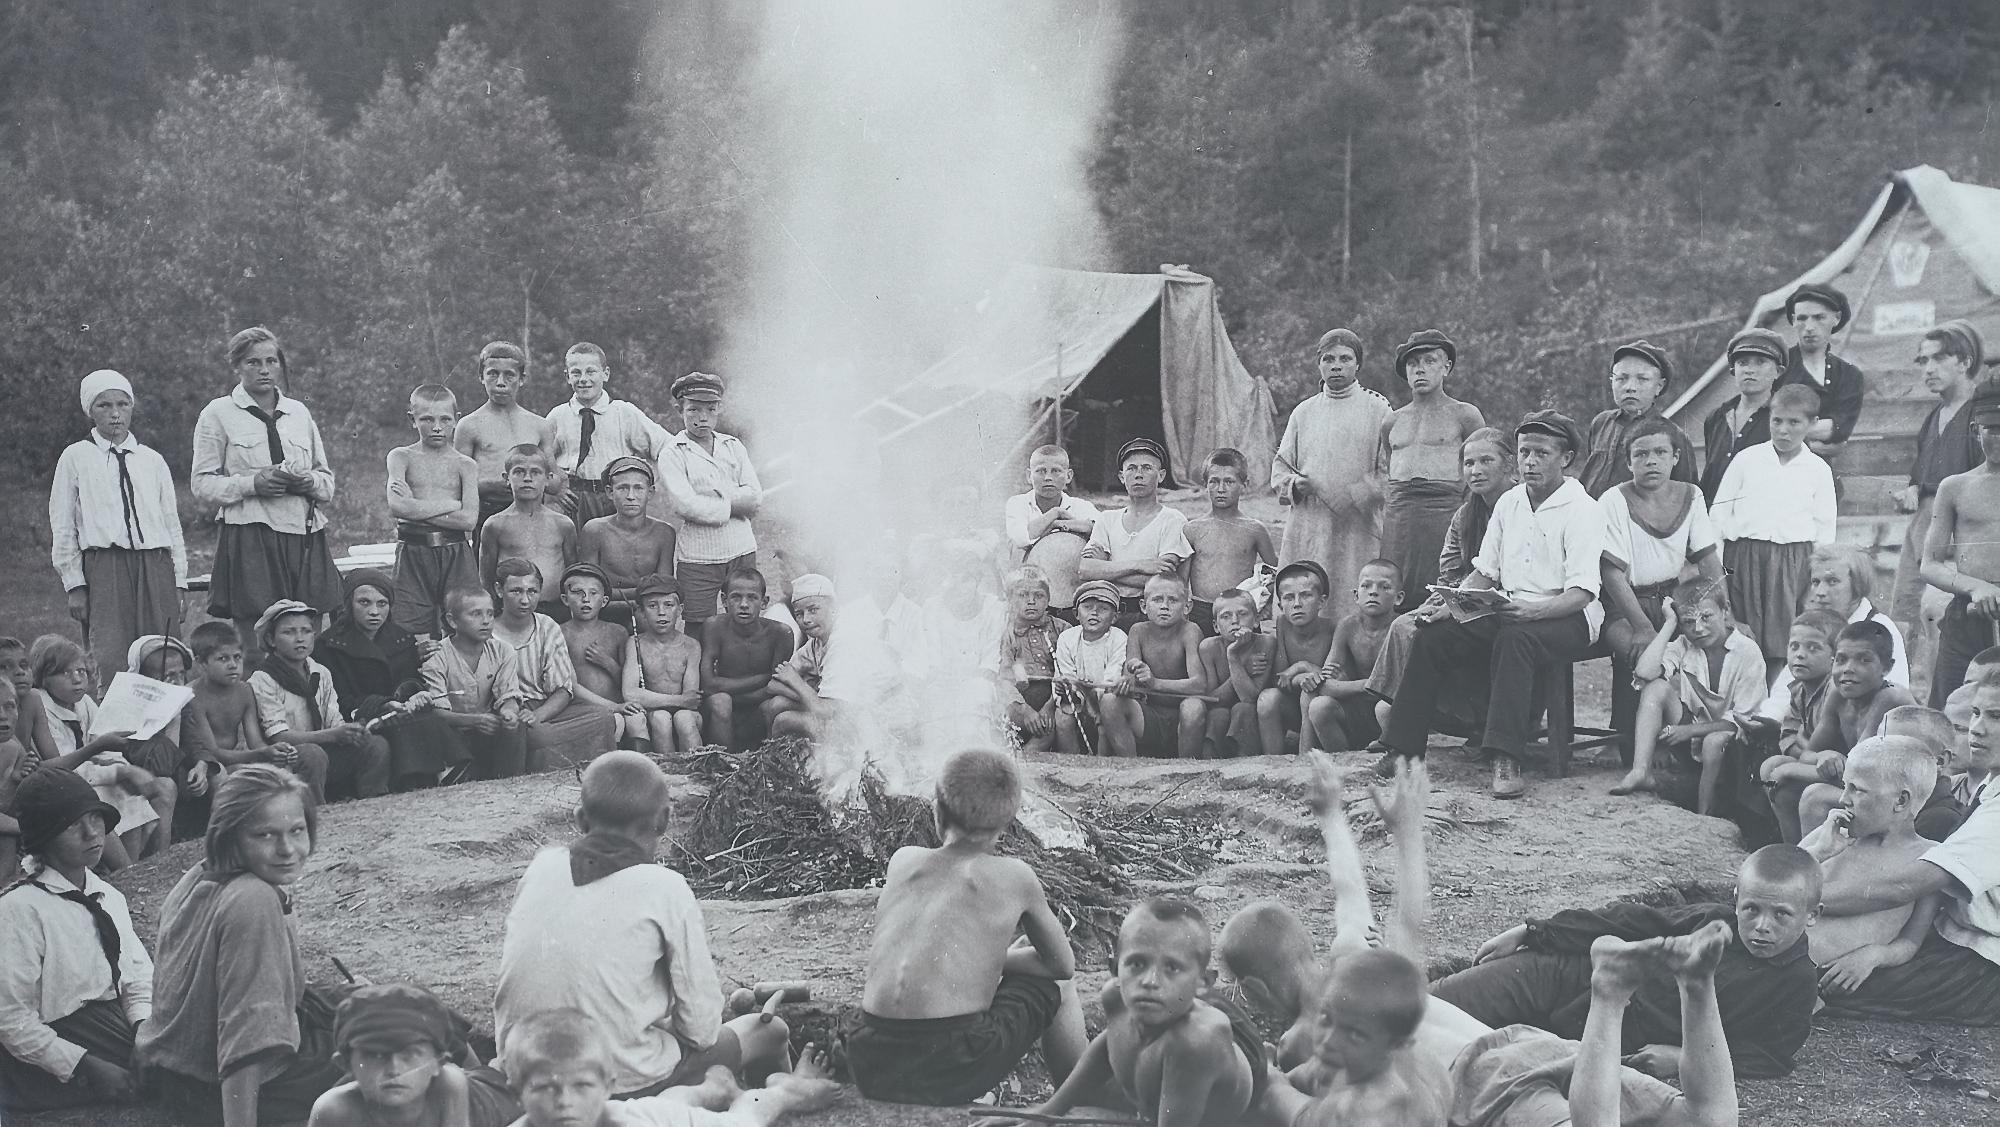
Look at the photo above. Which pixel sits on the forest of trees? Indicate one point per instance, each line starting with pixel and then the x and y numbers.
pixel 390 183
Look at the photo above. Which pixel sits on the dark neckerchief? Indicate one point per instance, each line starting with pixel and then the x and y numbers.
pixel 595 856
pixel 298 684
pixel 107 928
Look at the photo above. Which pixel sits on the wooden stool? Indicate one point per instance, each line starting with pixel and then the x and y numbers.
pixel 1555 686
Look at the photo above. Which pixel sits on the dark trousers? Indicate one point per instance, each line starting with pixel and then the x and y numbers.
pixel 1501 655
pixel 1944 983
pixel 1525 988
pixel 1961 634
pixel 100 1028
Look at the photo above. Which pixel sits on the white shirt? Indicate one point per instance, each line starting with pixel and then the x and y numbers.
pixel 1534 554
pixel 100 770
pixel 54 964
pixel 1021 509
pixel 279 711
pixel 622 430
pixel 1649 560
pixel 231 445
pixel 1739 688
pixel 1761 498
pixel 1972 854
pixel 700 487
pixel 87 508
pixel 630 950
pixel 1080 659
pixel 1898 675
pixel 1164 535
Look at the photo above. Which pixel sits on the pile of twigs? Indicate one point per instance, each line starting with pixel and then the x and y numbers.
pixel 764 832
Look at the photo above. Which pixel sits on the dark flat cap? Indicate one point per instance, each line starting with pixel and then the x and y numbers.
pixel 1555 424
pixel 1759 342
pixel 1423 340
pixel 698 385
pixel 1824 294
pixel 655 584
pixel 1652 354
pixel 1143 446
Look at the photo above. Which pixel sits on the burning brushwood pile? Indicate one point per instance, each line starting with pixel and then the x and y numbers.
pixel 764 831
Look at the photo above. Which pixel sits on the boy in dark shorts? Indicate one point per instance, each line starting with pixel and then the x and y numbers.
pixel 1158 700
pixel 1227 545
pixel 945 1020
pixel 739 651
pixel 1350 661
pixel 434 496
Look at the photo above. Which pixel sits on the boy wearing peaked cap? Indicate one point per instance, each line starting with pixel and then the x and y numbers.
pixel 1817 312
pixel 398 1043
pixel 1418 460
pixel 115 527
pixel 1641 372
pixel 712 486
pixel 1089 657
pixel 1756 359
pixel 628 544
pixel 1146 538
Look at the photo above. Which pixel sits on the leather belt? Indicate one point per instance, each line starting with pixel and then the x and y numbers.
pixel 429 537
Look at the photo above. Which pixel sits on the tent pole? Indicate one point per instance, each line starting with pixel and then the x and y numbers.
pixel 1868 287
pixel 1059 393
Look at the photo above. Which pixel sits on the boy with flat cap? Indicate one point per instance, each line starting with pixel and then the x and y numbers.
pixel 1325 466
pixel 592 430
pixel 628 544
pixel 1418 459
pixel 1640 373
pixel 1541 551
pixel 1816 312
pixel 1756 358
pixel 712 486
pixel 1962 553
pixel 75 982
pixel 399 1044
pixel 1144 539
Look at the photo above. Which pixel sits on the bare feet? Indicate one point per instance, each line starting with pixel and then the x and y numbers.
pixel 1619 968
pixel 1697 955
pixel 812 1063
pixel 1633 784
pixel 805 1088
pixel 716 1091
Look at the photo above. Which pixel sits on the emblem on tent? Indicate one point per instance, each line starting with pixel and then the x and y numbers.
pixel 1907 259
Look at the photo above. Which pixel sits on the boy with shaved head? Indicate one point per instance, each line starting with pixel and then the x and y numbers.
pixel 601 927
pixel 1539 973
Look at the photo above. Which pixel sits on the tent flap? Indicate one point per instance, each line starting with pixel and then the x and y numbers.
pixel 1209 399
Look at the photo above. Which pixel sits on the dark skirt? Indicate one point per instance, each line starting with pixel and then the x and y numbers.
pixel 129 595
pixel 1414 522
pixel 100 1029
pixel 1767 585
pixel 256 565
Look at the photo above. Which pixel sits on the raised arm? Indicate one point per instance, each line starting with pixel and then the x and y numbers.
pixel 1353 919
pixel 1403 808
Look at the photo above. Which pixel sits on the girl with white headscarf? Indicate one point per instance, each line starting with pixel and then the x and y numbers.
pixel 116 528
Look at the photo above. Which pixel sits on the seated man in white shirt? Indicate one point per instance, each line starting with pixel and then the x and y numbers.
pixel 1954 974
pixel 1541 551
pixel 75 982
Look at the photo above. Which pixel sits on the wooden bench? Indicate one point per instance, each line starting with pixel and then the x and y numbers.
pixel 1555 688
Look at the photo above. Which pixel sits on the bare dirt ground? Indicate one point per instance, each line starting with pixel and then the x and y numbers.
pixel 416 888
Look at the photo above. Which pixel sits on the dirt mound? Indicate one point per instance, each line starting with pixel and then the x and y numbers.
pixel 416 887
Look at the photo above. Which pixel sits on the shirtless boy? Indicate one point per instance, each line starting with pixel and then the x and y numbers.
pixel 1304 641
pixel 1227 545
pixel 434 496
pixel 1962 555
pixel 529 528
pixel 226 702
pixel 628 544
pixel 1350 661
pixel 946 1019
pixel 1162 690
pixel 1167 1053
pixel 1874 831
pixel 1418 456
pixel 597 647
pixel 663 673
pixel 499 425
pixel 1854 710
pixel 1239 662
pixel 740 649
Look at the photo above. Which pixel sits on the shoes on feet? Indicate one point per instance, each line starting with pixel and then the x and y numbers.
pixel 1507 777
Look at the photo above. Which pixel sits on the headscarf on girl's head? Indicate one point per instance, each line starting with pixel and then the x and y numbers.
pixel 99 382
pixel 366 577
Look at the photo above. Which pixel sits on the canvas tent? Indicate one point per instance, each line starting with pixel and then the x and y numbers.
pixel 1927 251
pixel 1112 356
